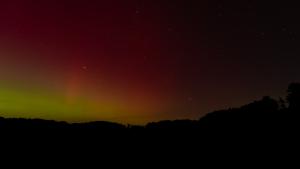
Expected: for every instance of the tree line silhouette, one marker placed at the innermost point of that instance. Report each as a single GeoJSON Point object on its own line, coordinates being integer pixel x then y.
{"type": "Point", "coordinates": [267, 115]}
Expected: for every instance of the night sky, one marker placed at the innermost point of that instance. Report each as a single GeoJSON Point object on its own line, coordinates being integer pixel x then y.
{"type": "Point", "coordinates": [138, 61]}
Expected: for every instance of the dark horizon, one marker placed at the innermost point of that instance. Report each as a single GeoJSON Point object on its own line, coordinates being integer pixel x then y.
{"type": "Point", "coordinates": [256, 111]}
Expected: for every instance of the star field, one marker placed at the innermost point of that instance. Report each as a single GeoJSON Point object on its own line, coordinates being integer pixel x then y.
{"type": "Point", "coordinates": [139, 61]}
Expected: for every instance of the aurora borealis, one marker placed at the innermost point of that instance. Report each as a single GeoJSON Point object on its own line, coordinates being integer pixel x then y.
{"type": "Point", "coordinates": [138, 61]}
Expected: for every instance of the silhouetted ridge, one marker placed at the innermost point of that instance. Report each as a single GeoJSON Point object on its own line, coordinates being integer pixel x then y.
{"type": "Point", "coordinates": [99, 125]}
{"type": "Point", "coordinates": [173, 125]}
{"type": "Point", "coordinates": [266, 114]}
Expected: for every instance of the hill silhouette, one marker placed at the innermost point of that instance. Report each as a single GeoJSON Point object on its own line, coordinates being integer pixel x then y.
{"type": "Point", "coordinates": [261, 129]}
{"type": "Point", "coordinates": [266, 114]}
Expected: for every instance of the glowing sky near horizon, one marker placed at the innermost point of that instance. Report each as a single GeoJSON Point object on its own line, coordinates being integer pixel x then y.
{"type": "Point", "coordinates": [139, 61]}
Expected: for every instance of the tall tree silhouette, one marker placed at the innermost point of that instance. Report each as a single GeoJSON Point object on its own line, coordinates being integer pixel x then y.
{"type": "Point", "coordinates": [293, 97]}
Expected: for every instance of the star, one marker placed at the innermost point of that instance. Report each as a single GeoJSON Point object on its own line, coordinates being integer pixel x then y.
{"type": "Point", "coordinates": [284, 29]}
{"type": "Point", "coordinates": [170, 29]}
{"type": "Point", "coordinates": [84, 67]}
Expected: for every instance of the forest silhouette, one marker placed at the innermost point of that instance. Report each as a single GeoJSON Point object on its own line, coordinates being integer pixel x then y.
{"type": "Point", "coordinates": [262, 116]}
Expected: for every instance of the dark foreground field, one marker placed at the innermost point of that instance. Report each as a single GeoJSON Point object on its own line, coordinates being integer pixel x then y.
{"type": "Point", "coordinates": [254, 132]}
{"type": "Point", "coordinates": [265, 116]}
{"type": "Point", "coordinates": [265, 131]}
